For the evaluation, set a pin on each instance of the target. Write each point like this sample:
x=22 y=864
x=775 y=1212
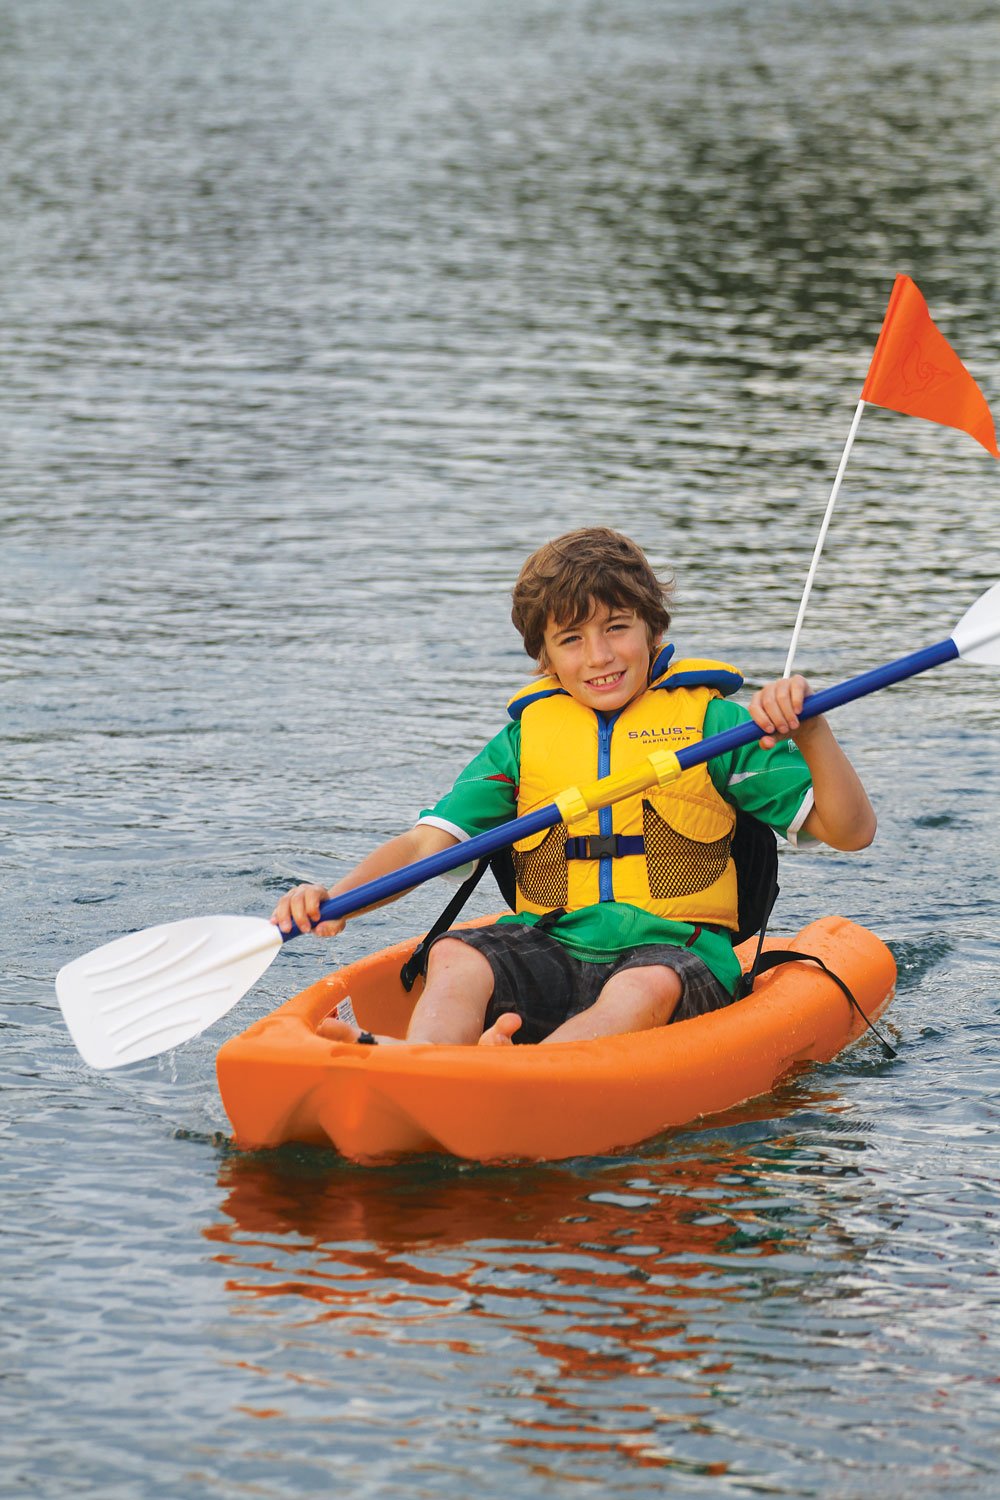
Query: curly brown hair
x=568 y=577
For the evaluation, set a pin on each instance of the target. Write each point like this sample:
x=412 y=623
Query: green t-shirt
x=774 y=785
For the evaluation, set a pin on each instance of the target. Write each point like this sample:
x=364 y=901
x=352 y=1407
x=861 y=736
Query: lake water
x=316 y=319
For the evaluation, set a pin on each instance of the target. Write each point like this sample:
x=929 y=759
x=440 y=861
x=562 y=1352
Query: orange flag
x=916 y=371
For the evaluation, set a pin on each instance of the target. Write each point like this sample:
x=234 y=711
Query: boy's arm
x=302 y=904
x=842 y=815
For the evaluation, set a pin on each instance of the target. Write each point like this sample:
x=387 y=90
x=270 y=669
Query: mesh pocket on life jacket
x=679 y=866
x=541 y=872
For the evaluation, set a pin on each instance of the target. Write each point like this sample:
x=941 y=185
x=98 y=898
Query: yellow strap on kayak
x=657 y=769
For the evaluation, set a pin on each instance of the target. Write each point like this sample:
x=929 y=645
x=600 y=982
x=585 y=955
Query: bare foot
x=332 y=1030
x=501 y=1033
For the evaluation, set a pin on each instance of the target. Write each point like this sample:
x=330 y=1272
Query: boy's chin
x=608 y=702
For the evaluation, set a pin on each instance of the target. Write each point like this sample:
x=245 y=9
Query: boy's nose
x=599 y=650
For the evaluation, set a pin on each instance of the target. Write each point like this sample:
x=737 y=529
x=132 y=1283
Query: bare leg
x=453 y=1004
x=634 y=1000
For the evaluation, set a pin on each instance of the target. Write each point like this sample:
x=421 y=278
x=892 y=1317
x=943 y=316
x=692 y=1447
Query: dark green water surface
x=316 y=318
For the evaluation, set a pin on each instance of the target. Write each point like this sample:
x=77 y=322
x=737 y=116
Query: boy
x=624 y=920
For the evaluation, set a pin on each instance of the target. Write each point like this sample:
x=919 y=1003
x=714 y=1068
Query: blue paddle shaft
x=485 y=844
x=824 y=700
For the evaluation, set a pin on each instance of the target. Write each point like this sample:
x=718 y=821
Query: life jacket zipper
x=605 y=729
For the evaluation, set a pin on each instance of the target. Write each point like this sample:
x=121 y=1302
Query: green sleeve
x=774 y=785
x=485 y=793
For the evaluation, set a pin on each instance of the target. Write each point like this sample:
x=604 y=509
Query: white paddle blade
x=977 y=634
x=152 y=990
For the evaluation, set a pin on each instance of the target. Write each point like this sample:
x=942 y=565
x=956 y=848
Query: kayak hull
x=281 y=1083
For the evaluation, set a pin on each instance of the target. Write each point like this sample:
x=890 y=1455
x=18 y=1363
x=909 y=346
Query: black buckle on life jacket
x=600 y=846
x=604 y=846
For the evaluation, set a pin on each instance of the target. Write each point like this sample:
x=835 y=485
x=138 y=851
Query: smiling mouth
x=599 y=682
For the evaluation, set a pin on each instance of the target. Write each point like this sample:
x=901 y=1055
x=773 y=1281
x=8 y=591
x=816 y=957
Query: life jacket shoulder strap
x=704 y=672
x=688 y=672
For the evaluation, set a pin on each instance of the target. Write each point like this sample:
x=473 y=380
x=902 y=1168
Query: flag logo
x=918 y=374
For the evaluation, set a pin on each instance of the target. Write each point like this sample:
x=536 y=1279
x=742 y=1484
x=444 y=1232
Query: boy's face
x=603 y=663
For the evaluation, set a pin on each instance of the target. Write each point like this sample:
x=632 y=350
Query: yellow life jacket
x=667 y=852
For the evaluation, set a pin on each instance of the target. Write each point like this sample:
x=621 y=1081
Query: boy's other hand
x=301 y=906
x=776 y=708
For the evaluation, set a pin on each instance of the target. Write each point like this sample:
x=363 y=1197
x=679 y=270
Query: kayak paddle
x=152 y=990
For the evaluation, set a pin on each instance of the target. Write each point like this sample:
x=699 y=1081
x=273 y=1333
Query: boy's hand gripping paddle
x=150 y=991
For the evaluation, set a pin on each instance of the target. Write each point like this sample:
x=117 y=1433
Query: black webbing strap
x=776 y=956
x=747 y=982
x=415 y=964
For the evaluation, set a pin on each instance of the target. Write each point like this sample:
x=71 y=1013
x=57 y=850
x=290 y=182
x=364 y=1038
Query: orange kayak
x=282 y=1083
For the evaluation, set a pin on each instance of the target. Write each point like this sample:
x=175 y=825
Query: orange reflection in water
x=595 y=1271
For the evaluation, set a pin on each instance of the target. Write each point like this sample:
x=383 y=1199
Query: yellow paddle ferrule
x=656 y=770
x=572 y=805
x=665 y=765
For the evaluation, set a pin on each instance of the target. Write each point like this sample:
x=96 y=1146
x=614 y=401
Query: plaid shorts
x=535 y=977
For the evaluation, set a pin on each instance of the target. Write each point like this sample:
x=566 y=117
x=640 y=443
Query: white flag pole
x=822 y=536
